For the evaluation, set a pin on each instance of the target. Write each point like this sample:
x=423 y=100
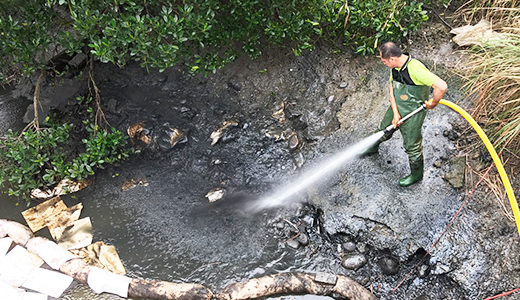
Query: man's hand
x=439 y=88
x=430 y=104
x=396 y=121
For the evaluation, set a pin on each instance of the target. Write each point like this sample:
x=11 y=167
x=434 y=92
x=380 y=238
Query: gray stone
x=303 y=239
x=354 y=262
x=361 y=247
x=349 y=246
x=423 y=271
x=389 y=265
x=455 y=176
x=78 y=61
x=327 y=278
x=294 y=244
x=112 y=105
x=437 y=163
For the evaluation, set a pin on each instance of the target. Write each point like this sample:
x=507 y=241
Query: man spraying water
x=410 y=83
x=409 y=91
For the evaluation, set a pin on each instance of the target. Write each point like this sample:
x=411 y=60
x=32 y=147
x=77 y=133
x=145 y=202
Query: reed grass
x=493 y=71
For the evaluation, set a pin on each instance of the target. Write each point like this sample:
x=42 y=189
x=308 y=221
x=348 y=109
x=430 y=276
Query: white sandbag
x=48 y=282
x=54 y=255
x=103 y=281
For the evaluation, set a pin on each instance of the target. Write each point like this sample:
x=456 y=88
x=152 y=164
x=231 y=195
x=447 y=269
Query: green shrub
x=41 y=159
x=203 y=34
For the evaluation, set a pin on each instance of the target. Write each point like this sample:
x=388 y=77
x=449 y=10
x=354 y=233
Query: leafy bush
x=41 y=159
x=204 y=34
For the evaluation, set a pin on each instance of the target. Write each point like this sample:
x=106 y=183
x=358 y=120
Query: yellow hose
x=494 y=155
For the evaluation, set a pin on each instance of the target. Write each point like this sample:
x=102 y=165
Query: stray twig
x=295 y=227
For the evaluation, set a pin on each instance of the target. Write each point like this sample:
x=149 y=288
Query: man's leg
x=387 y=120
x=411 y=131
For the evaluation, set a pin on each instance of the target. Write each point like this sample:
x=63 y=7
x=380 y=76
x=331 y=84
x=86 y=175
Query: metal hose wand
x=391 y=127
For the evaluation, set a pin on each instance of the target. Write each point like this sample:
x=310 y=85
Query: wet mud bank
x=288 y=114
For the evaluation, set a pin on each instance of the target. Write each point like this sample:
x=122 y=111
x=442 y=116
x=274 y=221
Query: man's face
x=389 y=62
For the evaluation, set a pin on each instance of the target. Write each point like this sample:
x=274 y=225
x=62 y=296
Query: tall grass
x=493 y=71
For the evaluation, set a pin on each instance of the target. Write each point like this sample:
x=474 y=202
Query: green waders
x=408 y=98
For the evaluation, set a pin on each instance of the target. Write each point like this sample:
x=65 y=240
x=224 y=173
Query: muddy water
x=167 y=230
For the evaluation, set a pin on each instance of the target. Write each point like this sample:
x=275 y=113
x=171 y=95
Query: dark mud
x=359 y=218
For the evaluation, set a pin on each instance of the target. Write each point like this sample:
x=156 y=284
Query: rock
x=452 y=135
x=423 y=271
x=422 y=297
x=354 y=262
x=78 y=61
x=349 y=246
x=389 y=265
x=280 y=225
x=232 y=83
x=441 y=269
x=294 y=244
x=112 y=105
x=343 y=85
x=456 y=176
x=361 y=247
x=437 y=163
x=303 y=239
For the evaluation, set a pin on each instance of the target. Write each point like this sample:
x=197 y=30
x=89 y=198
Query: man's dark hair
x=390 y=49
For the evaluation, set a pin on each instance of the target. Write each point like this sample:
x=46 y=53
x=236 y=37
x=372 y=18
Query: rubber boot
x=417 y=169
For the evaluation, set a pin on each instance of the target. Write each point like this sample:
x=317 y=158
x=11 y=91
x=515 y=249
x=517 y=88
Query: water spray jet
x=286 y=193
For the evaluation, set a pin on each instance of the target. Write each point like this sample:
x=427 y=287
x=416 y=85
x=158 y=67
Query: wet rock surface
x=168 y=230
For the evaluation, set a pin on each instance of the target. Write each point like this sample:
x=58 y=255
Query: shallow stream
x=165 y=228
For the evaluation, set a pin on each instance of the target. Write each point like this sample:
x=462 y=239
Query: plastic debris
x=64 y=187
x=102 y=256
x=37 y=217
x=64 y=219
x=139 y=132
x=9 y=292
x=327 y=278
x=475 y=34
x=216 y=135
x=110 y=260
x=280 y=114
x=77 y=235
x=215 y=194
x=132 y=183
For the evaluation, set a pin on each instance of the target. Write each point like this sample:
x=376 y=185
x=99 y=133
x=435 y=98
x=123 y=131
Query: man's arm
x=397 y=116
x=439 y=88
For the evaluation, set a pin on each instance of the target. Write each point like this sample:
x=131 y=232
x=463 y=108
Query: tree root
x=294 y=283
x=35 y=123
x=100 y=115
